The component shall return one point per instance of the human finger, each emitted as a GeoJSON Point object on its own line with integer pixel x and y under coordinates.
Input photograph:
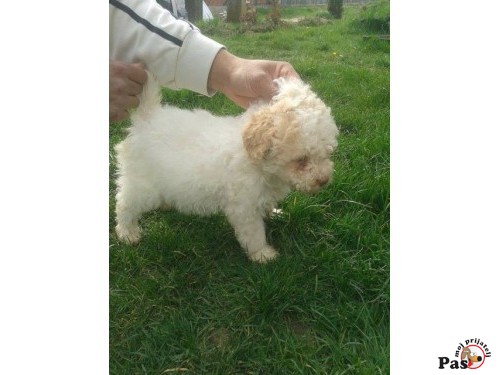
{"type": "Point", "coordinates": [116, 114]}
{"type": "Point", "coordinates": [134, 88]}
{"type": "Point", "coordinates": [137, 73]}
{"type": "Point", "coordinates": [285, 69]}
{"type": "Point", "coordinates": [242, 101]}
{"type": "Point", "coordinates": [132, 102]}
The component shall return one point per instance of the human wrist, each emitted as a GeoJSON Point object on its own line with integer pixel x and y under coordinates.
{"type": "Point", "coordinates": [223, 67]}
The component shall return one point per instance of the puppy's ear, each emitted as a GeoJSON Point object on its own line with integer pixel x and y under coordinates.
{"type": "Point", "coordinates": [258, 135]}
{"type": "Point", "coordinates": [465, 353]}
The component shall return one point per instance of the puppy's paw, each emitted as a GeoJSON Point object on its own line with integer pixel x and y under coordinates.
{"type": "Point", "coordinates": [276, 212]}
{"type": "Point", "coordinates": [129, 235]}
{"type": "Point", "coordinates": [166, 207]}
{"type": "Point", "coordinates": [263, 255]}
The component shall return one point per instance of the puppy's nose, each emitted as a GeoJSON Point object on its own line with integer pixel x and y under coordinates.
{"type": "Point", "coordinates": [322, 181]}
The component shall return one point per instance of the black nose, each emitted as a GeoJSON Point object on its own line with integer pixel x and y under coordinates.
{"type": "Point", "coordinates": [479, 358]}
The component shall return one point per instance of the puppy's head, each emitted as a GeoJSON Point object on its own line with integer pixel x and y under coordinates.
{"type": "Point", "coordinates": [293, 137]}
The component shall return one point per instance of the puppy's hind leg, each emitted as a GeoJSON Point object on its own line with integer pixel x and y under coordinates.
{"type": "Point", "coordinates": [130, 205]}
{"type": "Point", "coordinates": [251, 234]}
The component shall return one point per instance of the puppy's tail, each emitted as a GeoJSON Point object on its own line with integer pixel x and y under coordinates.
{"type": "Point", "coordinates": [149, 99]}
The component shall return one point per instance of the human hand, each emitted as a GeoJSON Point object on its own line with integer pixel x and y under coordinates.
{"type": "Point", "coordinates": [245, 81]}
{"type": "Point", "coordinates": [125, 84]}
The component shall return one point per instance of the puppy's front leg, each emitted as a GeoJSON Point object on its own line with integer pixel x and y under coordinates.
{"type": "Point", "coordinates": [251, 234]}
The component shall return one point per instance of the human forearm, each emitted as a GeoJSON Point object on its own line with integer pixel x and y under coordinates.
{"type": "Point", "coordinates": [173, 50]}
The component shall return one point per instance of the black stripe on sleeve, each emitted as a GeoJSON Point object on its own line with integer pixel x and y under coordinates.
{"type": "Point", "coordinates": [146, 23]}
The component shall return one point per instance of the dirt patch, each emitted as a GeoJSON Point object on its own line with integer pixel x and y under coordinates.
{"type": "Point", "coordinates": [219, 338]}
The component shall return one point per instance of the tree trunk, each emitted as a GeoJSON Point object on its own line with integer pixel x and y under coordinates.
{"type": "Point", "coordinates": [195, 10]}
{"type": "Point", "coordinates": [235, 9]}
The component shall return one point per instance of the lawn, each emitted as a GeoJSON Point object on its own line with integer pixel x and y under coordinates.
{"type": "Point", "coordinates": [187, 300]}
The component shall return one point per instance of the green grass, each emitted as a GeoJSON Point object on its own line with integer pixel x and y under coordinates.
{"type": "Point", "coordinates": [187, 298]}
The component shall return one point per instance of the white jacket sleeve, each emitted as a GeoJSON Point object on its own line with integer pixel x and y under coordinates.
{"type": "Point", "coordinates": [173, 50]}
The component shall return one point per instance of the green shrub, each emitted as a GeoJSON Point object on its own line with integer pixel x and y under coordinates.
{"type": "Point", "coordinates": [375, 17]}
{"type": "Point", "coordinates": [275, 15]}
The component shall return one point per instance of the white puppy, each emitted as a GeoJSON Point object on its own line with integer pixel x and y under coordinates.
{"type": "Point", "coordinates": [242, 166]}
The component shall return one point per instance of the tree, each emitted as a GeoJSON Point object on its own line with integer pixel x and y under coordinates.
{"type": "Point", "coordinates": [194, 9]}
{"type": "Point", "coordinates": [235, 10]}
{"type": "Point", "coordinates": [336, 7]}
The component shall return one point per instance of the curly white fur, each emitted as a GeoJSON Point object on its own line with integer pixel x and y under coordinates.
{"type": "Point", "coordinates": [242, 166]}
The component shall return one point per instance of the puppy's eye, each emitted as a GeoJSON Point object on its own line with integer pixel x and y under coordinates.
{"type": "Point", "coordinates": [302, 162]}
